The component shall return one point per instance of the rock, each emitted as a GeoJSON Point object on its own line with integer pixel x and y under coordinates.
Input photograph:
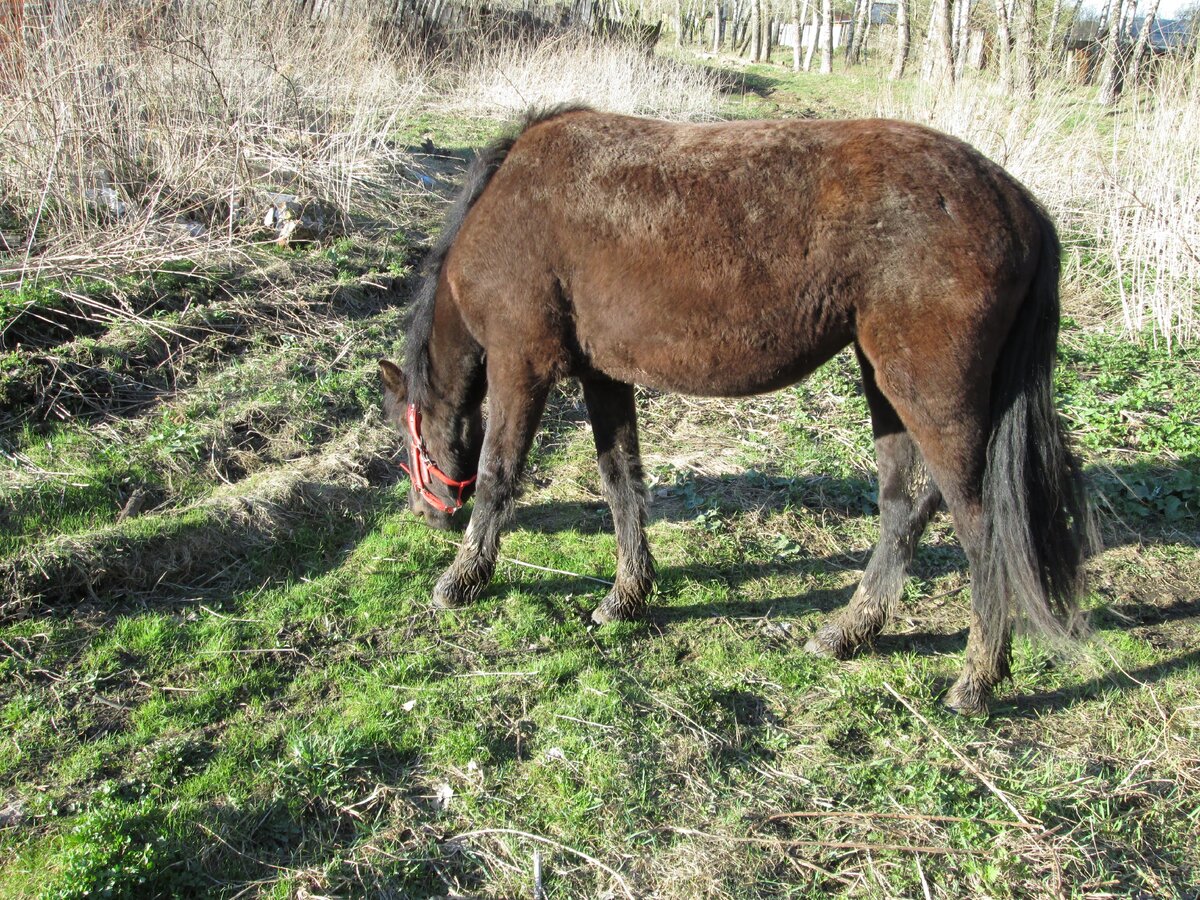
{"type": "Point", "coordinates": [103, 195]}
{"type": "Point", "coordinates": [107, 200]}
{"type": "Point", "coordinates": [297, 221]}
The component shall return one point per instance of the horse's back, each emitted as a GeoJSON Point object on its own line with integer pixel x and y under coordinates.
{"type": "Point", "coordinates": [733, 258]}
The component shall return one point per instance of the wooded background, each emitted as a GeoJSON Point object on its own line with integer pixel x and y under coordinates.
{"type": "Point", "coordinates": [1017, 41]}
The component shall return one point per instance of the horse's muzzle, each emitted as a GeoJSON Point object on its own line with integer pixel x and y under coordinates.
{"type": "Point", "coordinates": [434, 518]}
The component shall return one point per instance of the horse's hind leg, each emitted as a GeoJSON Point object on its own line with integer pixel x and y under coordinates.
{"type": "Point", "coordinates": [948, 414]}
{"type": "Point", "coordinates": [908, 498]}
{"type": "Point", "coordinates": [613, 413]}
{"type": "Point", "coordinates": [516, 400]}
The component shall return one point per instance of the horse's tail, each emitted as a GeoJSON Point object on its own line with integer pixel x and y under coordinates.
{"type": "Point", "coordinates": [1039, 526]}
{"type": "Point", "coordinates": [487, 162]}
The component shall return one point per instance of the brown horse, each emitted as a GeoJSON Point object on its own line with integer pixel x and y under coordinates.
{"type": "Point", "coordinates": [733, 259]}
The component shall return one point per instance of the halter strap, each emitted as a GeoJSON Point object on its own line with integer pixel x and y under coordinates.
{"type": "Point", "coordinates": [423, 466]}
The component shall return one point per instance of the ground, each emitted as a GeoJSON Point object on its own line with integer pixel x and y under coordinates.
{"type": "Point", "coordinates": [220, 672]}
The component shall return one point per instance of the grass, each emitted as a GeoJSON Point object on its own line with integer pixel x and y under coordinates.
{"type": "Point", "coordinates": [220, 673]}
{"type": "Point", "coordinates": [325, 731]}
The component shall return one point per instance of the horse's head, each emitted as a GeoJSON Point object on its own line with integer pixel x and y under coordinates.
{"type": "Point", "coordinates": [443, 448]}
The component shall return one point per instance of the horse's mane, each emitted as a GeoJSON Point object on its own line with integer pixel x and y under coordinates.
{"type": "Point", "coordinates": [420, 324]}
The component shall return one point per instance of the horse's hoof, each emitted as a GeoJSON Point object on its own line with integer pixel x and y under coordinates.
{"type": "Point", "coordinates": [968, 699]}
{"type": "Point", "coordinates": [601, 617]}
{"type": "Point", "coordinates": [447, 595]}
{"type": "Point", "coordinates": [615, 610]}
{"type": "Point", "coordinates": [818, 648]}
{"type": "Point", "coordinates": [830, 643]}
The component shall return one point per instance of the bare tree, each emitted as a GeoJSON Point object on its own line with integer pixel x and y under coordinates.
{"type": "Point", "coordinates": [755, 30]}
{"type": "Point", "coordinates": [1055, 11]}
{"type": "Point", "coordinates": [959, 35]}
{"type": "Point", "coordinates": [1127, 14]}
{"type": "Point", "coordinates": [1024, 64]}
{"type": "Point", "coordinates": [798, 24]}
{"type": "Point", "coordinates": [1143, 40]}
{"type": "Point", "coordinates": [716, 44]}
{"type": "Point", "coordinates": [768, 27]}
{"type": "Point", "coordinates": [813, 29]}
{"type": "Point", "coordinates": [939, 61]}
{"type": "Point", "coordinates": [1004, 43]}
{"type": "Point", "coordinates": [900, 57]}
{"type": "Point", "coordinates": [826, 37]}
{"type": "Point", "coordinates": [1109, 76]}
{"type": "Point", "coordinates": [858, 37]}
{"type": "Point", "coordinates": [849, 37]}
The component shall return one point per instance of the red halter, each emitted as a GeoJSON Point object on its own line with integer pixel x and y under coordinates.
{"type": "Point", "coordinates": [423, 466]}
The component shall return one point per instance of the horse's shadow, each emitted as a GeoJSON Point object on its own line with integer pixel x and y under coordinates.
{"type": "Point", "coordinates": [1030, 705]}
{"type": "Point", "coordinates": [1136, 503]}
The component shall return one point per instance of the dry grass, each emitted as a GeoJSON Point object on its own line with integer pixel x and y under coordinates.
{"type": "Point", "coordinates": [506, 80]}
{"type": "Point", "coordinates": [226, 529]}
{"type": "Point", "coordinates": [134, 139]}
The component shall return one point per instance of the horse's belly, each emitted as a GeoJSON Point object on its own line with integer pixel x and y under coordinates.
{"type": "Point", "coordinates": [707, 358]}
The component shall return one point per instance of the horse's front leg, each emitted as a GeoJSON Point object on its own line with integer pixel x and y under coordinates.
{"type": "Point", "coordinates": [613, 413]}
{"type": "Point", "coordinates": [515, 406]}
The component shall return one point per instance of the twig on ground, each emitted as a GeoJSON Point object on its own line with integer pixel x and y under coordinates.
{"type": "Point", "coordinates": [974, 769]}
{"type": "Point", "coordinates": [916, 817]}
{"type": "Point", "coordinates": [832, 845]}
{"type": "Point", "coordinates": [486, 832]}
{"type": "Point", "coordinates": [527, 565]}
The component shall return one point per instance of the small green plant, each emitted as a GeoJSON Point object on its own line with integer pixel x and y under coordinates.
{"type": "Point", "coordinates": [112, 850]}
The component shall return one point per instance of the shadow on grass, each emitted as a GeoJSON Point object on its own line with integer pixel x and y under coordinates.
{"type": "Point", "coordinates": [1029, 705]}
{"type": "Point", "coordinates": [1137, 501]}
{"type": "Point", "coordinates": [211, 560]}
{"type": "Point", "coordinates": [742, 83]}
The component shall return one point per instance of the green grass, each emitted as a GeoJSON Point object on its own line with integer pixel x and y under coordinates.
{"type": "Point", "coordinates": [331, 733]}
{"type": "Point", "coordinates": [364, 728]}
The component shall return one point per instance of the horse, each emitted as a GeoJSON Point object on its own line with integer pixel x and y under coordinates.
{"type": "Point", "coordinates": [731, 259]}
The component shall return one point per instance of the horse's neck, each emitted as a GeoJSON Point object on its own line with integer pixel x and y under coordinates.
{"type": "Point", "coordinates": [455, 359]}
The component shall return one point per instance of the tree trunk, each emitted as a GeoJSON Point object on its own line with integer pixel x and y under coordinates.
{"type": "Point", "coordinates": [1004, 44]}
{"type": "Point", "coordinates": [1024, 64]}
{"type": "Point", "coordinates": [940, 65]}
{"type": "Point", "coordinates": [1110, 87]}
{"type": "Point", "coordinates": [740, 33]}
{"type": "Point", "coordinates": [755, 31]}
{"type": "Point", "coordinates": [955, 20]}
{"type": "Point", "coordinates": [1143, 40]}
{"type": "Point", "coordinates": [960, 36]}
{"type": "Point", "coordinates": [1127, 15]}
{"type": "Point", "coordinates": [813, 28]}
{"type": "Point", "coordinates": [716, 44]}
{"type": "Point", "coordinates": [859, 37]}
{"type": "Point", "coordinates": [797, 23]}
{"type": "Point", "coordinates": [900, 58]}
{"type": "Point", "coordinates": [1055, 11]}
{"type": "Point", "coordinates": [853, 27]}
{"type": "Point", "coordinates": [826, 37]}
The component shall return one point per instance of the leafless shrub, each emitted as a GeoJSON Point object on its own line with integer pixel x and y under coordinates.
{"type": "Point", "coordinates": [138, 135]}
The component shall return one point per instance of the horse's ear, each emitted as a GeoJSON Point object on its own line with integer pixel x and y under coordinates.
{"type": "Point", "coordinates": [393, 380]}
